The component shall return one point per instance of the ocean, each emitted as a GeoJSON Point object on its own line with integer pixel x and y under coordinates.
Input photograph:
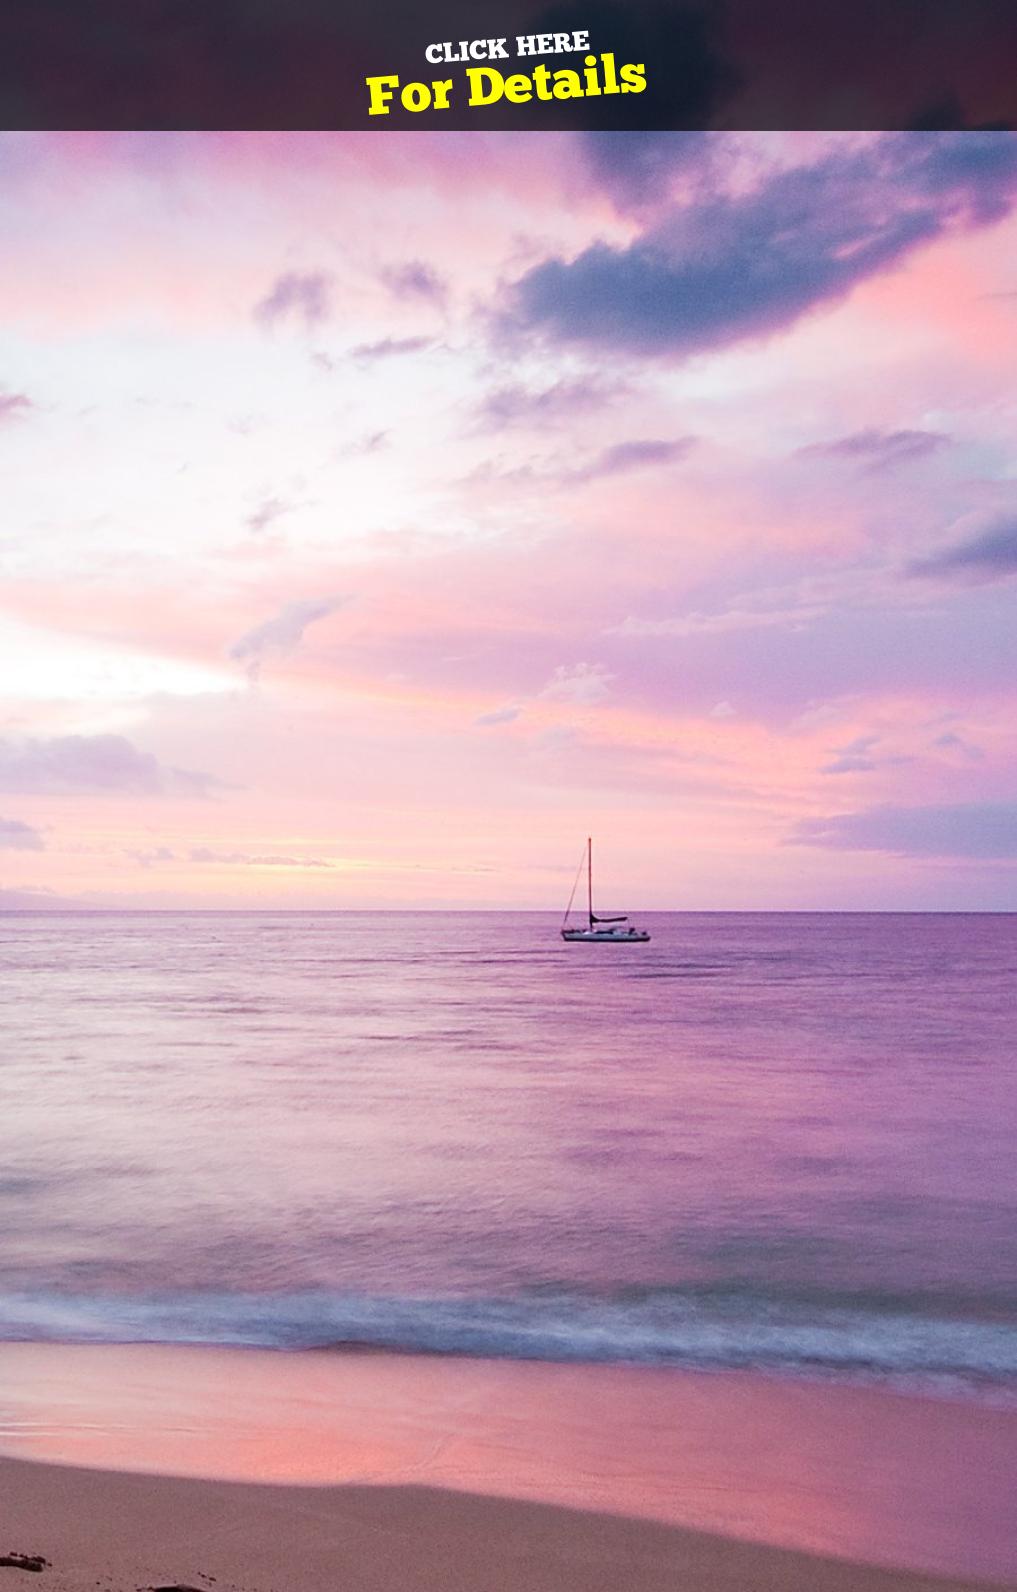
{"type": "Point", "coordinates": [784, 1142]}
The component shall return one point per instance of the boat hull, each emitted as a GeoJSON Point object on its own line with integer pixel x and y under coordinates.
{"type": "Point", "coordinates": [599, 931]}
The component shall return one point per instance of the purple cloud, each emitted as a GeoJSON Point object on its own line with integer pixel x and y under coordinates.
{"type": "Point", "coordinates": [390, 346]}
{"type": "Point", "coordinates": [16, 836]}
{"type": "Point", "coordinates": [879, 450]}
{"type": "Point", "coordinates": [148, 858]}
{"type": "Point", "coordinates": [282, 633]}
{"type": "Point", "coordinates": [724, 268]}
{"type": "Point", "coordinates": [991, 554]}
{"type": "Point", "coordinates": [101, 763]}
{"type": "Point", "coordinates": [558, 472]}
{"type": "Point", "coordinates": [499, 716]}
{"type": "Point", "coordinates": [975, 829]}
{"type": "Point", "coordinates": [14, 405]}
{"type": "Point", "coordinates": [641, 167]}
{"type": "Point", "coordinates": [304, 296]}
{"type": "Point", "coordinates": [267, 512]}
{"type": "Point", "coordinates": [638, 455]}
{"type": "Point", "coordinates": [415, 280]}
{"type": "Point", "coordinates": [247, 859]}
{"type": "Point", "coordinates": [564, 400]}
{"type": "Point", "coordinates": [370, 442]}
{"type": "Point", "coordinates": [950, 741]}
{"type": "Point", "coordinates": [854, 758]}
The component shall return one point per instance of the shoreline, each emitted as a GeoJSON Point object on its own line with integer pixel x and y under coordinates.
{"type": "Point", "coordinates": [856, 1475]}
{"type": "Point", "coordinates": [131, 1533]}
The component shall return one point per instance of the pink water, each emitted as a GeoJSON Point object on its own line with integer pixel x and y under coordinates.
{"type": "Point", "coordinates": [785, 1142]}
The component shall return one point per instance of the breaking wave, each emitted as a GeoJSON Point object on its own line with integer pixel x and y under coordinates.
{"type": "Point", "coordinates": [692, 1328]}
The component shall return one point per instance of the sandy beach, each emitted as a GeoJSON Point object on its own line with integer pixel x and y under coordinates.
{"type": "Point", "coordinates": [246, 1471]}
{"type": "Point", "coordinates": [125, 1532]}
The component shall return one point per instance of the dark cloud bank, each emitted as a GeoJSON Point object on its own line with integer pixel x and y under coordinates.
{"type": "Point", "coordinates": [723, 268]}
{"type": "Point", "coordinates": [986, 830]}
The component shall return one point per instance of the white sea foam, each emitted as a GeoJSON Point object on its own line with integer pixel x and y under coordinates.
{"type": "Point", "coordinates": [665, 1327]}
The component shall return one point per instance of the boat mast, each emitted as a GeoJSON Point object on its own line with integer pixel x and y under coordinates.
{"type": "Point", "coordinates": [589, 876]}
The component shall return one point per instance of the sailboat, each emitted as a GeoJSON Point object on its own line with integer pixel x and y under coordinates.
{"type": "Point", "coordinates": [599, 931]}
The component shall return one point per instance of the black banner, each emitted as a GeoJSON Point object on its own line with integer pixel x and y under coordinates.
{"type": "Point", "coordinates": [528, 65]}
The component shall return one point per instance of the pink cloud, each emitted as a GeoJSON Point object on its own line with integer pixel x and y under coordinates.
{"type": "Point", "coordinates": [556, 603]}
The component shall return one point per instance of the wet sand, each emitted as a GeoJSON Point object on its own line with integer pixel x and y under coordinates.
{"type": "Point", "coordinates": [128, 1532]}
{"type": "Point", "coordinates": [293, 1472]}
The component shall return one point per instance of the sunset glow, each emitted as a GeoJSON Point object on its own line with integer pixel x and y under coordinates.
{"type": "Point", "coordinates": [383, 516]}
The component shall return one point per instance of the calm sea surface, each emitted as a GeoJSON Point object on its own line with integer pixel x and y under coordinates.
{"type": "Point", "coordinates": [787, 1142]}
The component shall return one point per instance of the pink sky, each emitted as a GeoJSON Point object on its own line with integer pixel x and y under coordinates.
{"type": "Point", "coordinates": [384, 513]}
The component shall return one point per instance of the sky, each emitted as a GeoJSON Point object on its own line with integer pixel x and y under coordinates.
{"type": "Point", "coordinates": [385, 512]}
